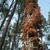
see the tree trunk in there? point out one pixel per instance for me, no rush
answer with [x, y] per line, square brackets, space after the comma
[6, 15]
[31, 23]
[7, 24]
[16, 31]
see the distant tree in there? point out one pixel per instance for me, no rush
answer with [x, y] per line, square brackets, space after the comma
[49, 18]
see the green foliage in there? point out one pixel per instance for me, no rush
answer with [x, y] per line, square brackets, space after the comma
[45, 29]
[49, 37]
[5, 9]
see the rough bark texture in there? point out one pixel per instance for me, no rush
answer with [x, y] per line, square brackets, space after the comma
[32, 22]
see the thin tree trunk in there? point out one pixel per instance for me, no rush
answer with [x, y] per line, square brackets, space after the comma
[16, 31]
[6, 15]
[6, 28]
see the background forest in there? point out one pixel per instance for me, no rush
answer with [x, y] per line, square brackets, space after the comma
[11, 17]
